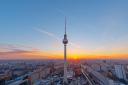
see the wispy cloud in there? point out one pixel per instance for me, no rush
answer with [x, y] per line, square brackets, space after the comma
[16, 47]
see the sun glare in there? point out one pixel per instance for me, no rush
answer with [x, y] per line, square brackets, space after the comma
[75, 57]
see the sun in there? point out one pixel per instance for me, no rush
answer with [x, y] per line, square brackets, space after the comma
[75, 57]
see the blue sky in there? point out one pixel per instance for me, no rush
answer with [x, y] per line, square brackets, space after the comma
[93, 25]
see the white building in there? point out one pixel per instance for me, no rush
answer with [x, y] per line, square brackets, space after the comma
[120, 72]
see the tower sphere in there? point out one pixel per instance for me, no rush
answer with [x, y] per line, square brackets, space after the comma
[65, 40]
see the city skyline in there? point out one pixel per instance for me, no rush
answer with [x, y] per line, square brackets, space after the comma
[34, 29]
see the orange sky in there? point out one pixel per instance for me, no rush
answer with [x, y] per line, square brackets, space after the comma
[95, 30]
[57, 55]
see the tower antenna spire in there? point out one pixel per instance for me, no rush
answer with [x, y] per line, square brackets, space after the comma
[65, 25]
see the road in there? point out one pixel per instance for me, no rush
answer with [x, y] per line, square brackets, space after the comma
[90, 81]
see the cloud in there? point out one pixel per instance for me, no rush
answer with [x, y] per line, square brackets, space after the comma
[15, 52]
[16, 47]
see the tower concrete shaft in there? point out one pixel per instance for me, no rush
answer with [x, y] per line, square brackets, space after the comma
[65, 65]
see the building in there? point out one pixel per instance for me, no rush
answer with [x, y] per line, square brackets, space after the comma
[120, 72]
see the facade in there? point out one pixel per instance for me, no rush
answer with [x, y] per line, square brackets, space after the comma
[120, 72]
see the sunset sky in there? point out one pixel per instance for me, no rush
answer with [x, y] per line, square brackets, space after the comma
[33, 29]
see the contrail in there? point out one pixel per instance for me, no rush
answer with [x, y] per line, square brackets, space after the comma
[48, 34]
[52, 35]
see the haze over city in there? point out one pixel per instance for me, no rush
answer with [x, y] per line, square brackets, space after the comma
[64, 42]
[34, 29]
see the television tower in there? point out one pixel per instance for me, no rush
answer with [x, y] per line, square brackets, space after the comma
[65, 42]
